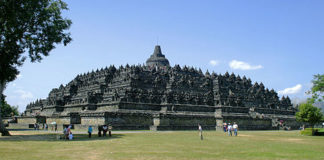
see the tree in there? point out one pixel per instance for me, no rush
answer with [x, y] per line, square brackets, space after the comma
[28, 29]
[8, 111]
[318, 89]
[309, 114]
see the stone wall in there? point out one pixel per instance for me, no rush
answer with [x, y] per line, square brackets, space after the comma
[292, 123]
[92, 120]
[26, 120]
[6, 119]
[58, 120]
[184, 122]
[250, 123]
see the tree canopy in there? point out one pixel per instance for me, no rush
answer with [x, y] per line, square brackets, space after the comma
[318, 88]
[28, 28]
[8, 111]
[309, 114]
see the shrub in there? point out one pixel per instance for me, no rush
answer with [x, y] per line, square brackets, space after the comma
[308, 132]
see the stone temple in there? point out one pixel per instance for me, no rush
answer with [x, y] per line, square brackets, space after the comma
[157, 96]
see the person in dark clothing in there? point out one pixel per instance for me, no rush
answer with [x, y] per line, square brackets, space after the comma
[55, 127]
[105, 129]
[99, 131]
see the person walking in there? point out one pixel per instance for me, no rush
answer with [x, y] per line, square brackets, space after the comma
[90, 131]
[99, 131]
[200, 132]
[235, 127]
[105, 129]
[68, 131]
[109, 130]
[35, 126]
[64, 133]
[225, 127]
[229, 128]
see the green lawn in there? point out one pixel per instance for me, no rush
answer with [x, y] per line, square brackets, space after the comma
[163, 145]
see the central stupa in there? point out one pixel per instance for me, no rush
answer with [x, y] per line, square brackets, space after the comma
[157, 58]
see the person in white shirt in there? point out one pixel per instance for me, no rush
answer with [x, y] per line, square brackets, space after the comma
[235, 127]
[70, 136]
[229, 128]
[200, 131]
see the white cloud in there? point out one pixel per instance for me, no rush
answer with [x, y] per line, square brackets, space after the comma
[214, 62]
[234, 64]
[292, 90]
[24, 94]
[19, 76]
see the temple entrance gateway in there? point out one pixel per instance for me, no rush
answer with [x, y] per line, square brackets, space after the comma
[75, 118]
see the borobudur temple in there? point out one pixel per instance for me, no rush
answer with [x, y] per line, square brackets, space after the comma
[157, 96]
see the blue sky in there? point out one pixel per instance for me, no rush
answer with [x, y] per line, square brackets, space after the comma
[279, 43]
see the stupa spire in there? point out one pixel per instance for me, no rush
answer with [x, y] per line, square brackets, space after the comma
[157, 51]
[157, 58]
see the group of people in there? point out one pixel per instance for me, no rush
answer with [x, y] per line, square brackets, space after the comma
[101, 129]
[67, 133]
[37, 126]
[230, 128]
[45, 126]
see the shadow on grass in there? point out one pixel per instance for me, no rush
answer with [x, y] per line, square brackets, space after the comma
[20, 129]
[53, 137]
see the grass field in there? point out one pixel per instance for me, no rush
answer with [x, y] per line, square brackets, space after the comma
[163, 145]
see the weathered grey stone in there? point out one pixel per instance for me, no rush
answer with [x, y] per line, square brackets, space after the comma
[158, 96]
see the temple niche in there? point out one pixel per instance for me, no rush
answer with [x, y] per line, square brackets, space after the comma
[160, 97]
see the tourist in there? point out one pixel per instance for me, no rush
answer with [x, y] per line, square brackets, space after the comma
[105, 129]
[68, 131]
[109, 129]
[303, 127]
[55, 127]
[64, 132]
[225, 127]
[229, 129]
[70, 136]
[235, 127]
[200, 131]
[46, 127]
[90, 131]
[99, 131]
[35, 126]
